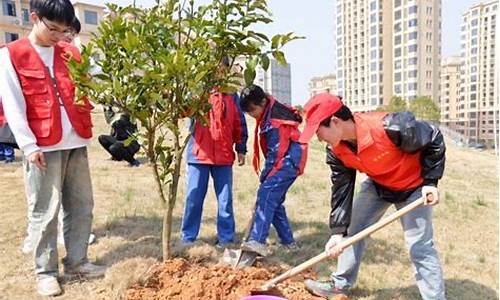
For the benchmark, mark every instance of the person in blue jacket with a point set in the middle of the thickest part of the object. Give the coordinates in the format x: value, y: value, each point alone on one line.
x: 211, y: 151
x: 277, y: 134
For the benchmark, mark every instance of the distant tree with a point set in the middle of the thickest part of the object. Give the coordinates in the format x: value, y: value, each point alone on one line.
x: 299, y: 108
x: 425, y: 109
x: 396, y: 104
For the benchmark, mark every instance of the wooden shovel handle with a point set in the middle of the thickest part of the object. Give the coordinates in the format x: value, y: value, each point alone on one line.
x: 345, y: 243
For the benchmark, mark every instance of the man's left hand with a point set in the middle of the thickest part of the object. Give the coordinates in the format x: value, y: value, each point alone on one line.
x: 430, y: 194
x: 241, y: 159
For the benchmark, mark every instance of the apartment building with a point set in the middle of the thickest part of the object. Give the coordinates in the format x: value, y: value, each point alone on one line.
x: 478, y: 103
x: 15, y: 20
x: 387, y: 48
x: 277, y: 80
x: 450, y: 91
x: 323, y: 84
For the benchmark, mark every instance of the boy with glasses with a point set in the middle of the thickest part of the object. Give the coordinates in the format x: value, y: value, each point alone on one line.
x: 53, y: 131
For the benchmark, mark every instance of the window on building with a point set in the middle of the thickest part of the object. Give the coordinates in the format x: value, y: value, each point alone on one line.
x: 397, y: 64
x: 373, y: 18
x: 412, y: 23
x: 412, y: 74
x: 412, y: 61
x: 412, y: 86
x: 412, y: 35
x: 397, y: 76
x: 10, y: 37
x: 397, y: 3
x: 373, y: 5
x: 373, y: 30
x: 9, y: 8
x: 26, y: 15
x: 473, y: 41
x: 90, y: 17
x: 397, y: 27
x: 397, y: 88
x: 429, y: 10
x: 397, y: 15
x: 373, y: 42
x: 473, y: 22
x: 412, y: 9
x: 397, y: 40
x: 373, y: 66
x: 397, y: 52
x: 373, y: 54
x: 412, y: 48
x: 473, y: 32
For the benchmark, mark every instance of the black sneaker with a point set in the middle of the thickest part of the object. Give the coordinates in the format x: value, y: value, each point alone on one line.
x: 134, y: 163
x: 324, y: 289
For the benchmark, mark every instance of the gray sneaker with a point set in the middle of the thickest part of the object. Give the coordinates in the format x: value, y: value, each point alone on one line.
x: 254, y: 246
x: 290, y: 247
x: 324, y: 289
x: 48, y: 286
x: 86, y: 270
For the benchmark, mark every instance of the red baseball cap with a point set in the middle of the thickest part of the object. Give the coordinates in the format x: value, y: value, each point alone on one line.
x: 317, y: 109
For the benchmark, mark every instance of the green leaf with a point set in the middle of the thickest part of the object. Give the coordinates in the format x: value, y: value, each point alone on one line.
x: 249, y: 75
x: 280, y: 57
x: 275, y: 41
x: 264, y: 61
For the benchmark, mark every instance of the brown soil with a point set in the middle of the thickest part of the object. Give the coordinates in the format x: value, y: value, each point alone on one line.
x: 179, y: 279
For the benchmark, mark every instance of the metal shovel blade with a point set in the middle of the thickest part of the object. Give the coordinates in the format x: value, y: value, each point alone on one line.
x: 239, y: 258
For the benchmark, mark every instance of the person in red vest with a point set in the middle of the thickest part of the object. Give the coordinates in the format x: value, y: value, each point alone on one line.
x: 404, y: 159
x: 53, y: 131
x: 277, y: 134
x: 211, y: 152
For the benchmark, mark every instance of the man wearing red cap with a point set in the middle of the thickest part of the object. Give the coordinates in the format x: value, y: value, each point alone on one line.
x: 404, y: 159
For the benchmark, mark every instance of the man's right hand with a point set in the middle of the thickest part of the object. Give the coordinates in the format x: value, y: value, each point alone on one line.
x: 38, y: 160
x: 330, y: 248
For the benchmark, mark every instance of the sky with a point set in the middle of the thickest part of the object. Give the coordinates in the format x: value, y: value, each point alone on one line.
x: 313, y: 56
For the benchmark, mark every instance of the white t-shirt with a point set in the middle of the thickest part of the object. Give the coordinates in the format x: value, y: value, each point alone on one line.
x: 14, y: 106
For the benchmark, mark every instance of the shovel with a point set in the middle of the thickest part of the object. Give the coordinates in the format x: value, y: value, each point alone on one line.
x: 267, y: 287
x: 240, y: 258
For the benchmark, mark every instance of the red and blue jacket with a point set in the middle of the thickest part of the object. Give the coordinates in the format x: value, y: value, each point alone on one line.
x: 213, y: 143
x: 277, y: 134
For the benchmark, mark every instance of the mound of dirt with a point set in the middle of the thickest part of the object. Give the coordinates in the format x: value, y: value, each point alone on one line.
x: 179, y: 279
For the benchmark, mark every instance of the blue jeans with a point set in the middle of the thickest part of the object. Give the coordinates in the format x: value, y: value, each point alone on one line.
x: 270, y: 210
x: 197, y: 184
x: 6, y: 152
x: 66, y: 182
x: 367, y: 209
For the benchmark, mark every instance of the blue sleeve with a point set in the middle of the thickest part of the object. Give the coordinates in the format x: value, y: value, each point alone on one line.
x: 242, y: 130
x: 272, y: 144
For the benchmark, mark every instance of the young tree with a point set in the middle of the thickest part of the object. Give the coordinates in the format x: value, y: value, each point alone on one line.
x: 425, y: 109
x: 160, y: 65
x: 397, y: 104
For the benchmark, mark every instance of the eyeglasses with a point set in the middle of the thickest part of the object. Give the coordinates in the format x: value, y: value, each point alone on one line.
x: 67, y: 32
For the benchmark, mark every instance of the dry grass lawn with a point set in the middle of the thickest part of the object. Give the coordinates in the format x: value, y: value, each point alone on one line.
x: 128, y: 223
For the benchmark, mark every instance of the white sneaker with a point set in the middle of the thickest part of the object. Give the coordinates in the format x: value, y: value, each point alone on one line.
x: 254, y: 246
x: 48, y: 286
x: 87, y: 270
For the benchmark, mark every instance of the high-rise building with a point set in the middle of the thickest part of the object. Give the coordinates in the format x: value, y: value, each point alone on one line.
x: 450, y: 91
x: 323, y: 84
x: 387, y: 48
x: 277, y: 80
x: 478, y: 104
x: 15, y: 20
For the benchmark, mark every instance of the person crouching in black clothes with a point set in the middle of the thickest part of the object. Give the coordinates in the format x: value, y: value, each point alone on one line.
x: 121, y: 129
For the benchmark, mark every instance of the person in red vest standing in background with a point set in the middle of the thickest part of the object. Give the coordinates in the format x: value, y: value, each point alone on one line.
x: 211, y: 151
x: 53, y: 131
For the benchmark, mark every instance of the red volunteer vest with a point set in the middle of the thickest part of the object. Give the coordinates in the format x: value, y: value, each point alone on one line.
x: 378, y: 157
x: 43, y: 108
x: 214, y: 141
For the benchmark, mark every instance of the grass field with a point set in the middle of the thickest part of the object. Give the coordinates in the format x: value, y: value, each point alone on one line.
x: 127, y: 221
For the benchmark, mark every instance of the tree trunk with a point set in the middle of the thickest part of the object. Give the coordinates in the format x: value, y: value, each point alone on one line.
x: 172, y: 197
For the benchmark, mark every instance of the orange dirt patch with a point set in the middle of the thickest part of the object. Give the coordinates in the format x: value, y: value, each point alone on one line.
x: 179, y: 279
